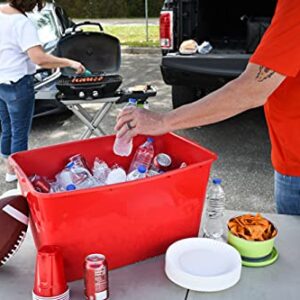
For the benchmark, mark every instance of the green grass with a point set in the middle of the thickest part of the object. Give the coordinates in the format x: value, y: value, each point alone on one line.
x: 134, y: 35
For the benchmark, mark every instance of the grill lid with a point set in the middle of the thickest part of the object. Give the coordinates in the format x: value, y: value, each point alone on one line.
x: 97, y: 51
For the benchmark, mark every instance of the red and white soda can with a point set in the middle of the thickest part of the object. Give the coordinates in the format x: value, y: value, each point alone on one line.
x: 79, y: 160
x: 40, y: 184
x: 96, y: 277
x: 161, y: 162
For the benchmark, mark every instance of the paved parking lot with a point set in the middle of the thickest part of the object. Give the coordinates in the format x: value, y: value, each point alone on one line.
x: 241, y: 143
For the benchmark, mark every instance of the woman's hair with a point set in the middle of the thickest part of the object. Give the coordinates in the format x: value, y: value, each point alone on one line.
x: 27, y: 5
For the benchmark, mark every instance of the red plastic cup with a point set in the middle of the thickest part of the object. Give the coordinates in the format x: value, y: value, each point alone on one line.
x: 50, y: 278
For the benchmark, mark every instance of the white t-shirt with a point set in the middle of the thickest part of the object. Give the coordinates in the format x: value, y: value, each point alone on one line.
x: 17, y: 35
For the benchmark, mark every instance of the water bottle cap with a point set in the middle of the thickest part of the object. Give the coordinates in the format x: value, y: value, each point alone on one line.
x: 132, y: 100
x: 217, y: 181
x: 70, y: 164
x: 142, y: 169
x: 70, y: 187
x: 150, y: 139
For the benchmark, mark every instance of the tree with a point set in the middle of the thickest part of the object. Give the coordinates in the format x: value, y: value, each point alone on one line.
x: 110, y: 9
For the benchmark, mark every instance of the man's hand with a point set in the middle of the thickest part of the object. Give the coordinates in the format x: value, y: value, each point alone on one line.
x: 133, y: 121
x: 250, y: 90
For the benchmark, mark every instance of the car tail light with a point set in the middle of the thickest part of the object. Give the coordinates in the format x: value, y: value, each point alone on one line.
x: 166, y: 30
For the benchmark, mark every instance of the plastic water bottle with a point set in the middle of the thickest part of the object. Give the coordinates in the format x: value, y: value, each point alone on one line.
x: 101, y: 170
x: 56, y: 187
x: 143, y: 155
x: 82, y: 178
x: 122, y: 147
x: 214, y: 217
x: 65, y: 178
x: 139, y: 173
x: 116, y: 175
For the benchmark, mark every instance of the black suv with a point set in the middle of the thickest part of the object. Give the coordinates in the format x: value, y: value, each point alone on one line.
x: 233, y: 28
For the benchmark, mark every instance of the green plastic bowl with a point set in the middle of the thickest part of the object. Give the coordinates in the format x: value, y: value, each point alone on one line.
x: 251, y: 249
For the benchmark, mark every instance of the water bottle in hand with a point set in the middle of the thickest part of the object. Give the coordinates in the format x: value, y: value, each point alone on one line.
x: 139, y: 173
x: 214, y: 216
x: 143, y: 155
x: 121, y: 146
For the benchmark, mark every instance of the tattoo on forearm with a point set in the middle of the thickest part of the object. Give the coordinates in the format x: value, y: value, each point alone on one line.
x: 264, y: 73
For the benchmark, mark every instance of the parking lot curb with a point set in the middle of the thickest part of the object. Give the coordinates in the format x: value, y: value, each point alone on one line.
x: 141, y: 50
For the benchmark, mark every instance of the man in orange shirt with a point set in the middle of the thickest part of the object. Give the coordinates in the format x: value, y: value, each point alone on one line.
x: 272, y: 79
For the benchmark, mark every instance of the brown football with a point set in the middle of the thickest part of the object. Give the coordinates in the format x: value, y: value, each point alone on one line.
x: 14, y: 214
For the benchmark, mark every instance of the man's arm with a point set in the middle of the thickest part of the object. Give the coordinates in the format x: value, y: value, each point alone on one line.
x: 250, y: 90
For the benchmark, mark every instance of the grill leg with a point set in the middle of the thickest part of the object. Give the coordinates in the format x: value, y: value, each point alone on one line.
x: 98, y: 118
x: 86, y: 119
x: 84, y: 113
x: 92, y: 122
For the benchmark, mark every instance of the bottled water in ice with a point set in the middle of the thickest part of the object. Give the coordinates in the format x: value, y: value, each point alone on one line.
x: 143, y: 155
x: 65, y: 178
x: 82, y: 178
x: 139, y: 173
x: 55, y: 187
x: 122, y: 147
x: 116, y: 175
x: 101, y: 170
x: 214, y: 216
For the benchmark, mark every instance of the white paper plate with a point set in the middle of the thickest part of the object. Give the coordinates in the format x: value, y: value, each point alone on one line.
x: 203, y: 265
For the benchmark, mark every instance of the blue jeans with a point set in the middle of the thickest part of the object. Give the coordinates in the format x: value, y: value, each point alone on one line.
x: 16, y: 111
x: 287, y: 194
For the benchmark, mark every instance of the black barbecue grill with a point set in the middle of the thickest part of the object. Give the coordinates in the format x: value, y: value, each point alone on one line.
x: 100, y: 53
x: 87, y: 88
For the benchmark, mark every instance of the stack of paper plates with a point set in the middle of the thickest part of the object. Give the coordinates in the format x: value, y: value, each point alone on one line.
x: 203, y: 265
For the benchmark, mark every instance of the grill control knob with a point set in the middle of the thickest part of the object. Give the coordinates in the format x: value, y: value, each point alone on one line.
x: 81, y: 95
x: 95, y: 94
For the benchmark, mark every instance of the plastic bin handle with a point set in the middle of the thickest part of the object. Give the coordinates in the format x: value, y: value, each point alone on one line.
x: 21, y: 177
x: 25, y: 189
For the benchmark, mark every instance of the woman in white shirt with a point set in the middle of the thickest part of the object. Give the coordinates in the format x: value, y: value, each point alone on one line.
x: 20, y: 52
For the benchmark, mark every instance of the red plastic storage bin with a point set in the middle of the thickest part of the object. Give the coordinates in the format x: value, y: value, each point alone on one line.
x: 126, y: 222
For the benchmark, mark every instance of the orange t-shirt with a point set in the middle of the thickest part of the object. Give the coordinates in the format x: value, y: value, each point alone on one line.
x: 279, y: 51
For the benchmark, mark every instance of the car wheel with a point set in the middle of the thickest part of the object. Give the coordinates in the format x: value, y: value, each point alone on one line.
x: 182, y: 95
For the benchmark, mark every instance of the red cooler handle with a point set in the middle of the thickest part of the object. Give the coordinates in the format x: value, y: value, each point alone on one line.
x: 21, y: 177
